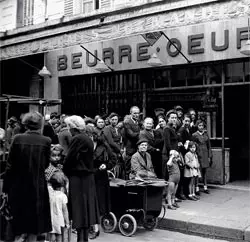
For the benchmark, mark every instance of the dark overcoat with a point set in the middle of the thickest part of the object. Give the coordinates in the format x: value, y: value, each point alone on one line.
x: 113, y: 137
x: 79, y: 168
x: 25, y: 183
x: 131, y: 132
x: 204, y: 148
x: 184, y: 134
x: 103, y: 155
x: 170, y: 139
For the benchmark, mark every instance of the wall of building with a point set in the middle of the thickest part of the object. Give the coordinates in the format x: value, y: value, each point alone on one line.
x: 8, y: 14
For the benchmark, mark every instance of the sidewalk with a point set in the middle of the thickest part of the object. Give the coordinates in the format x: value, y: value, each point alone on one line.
x: 224, y: 213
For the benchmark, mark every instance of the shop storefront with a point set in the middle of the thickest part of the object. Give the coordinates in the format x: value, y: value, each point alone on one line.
x: 216, y: 80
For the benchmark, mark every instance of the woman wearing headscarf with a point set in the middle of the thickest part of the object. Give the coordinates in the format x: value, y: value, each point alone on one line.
x: 79, y: 168
x: 24, y: 181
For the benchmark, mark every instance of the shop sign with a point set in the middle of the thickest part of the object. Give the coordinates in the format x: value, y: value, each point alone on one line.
x: 207, y: 42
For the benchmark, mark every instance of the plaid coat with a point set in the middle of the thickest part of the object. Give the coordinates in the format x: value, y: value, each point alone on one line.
x: 25, y: 183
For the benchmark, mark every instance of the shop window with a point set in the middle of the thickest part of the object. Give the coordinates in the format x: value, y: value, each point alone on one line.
x: 247, y: 71
x: 234, y: 72
x: 195, y: 76
x: 213, y: 74
x: 178, y: 77
x: 161, y: 78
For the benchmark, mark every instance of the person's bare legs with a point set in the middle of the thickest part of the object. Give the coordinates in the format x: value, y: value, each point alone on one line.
x: 171, y: 195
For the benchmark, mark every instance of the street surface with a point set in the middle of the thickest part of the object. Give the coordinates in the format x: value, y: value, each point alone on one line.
x: 149, y: 236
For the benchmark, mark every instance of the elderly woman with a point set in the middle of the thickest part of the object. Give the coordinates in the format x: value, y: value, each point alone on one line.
x: 25, y: 181
x: 141, y: 164
x: 79, y: 168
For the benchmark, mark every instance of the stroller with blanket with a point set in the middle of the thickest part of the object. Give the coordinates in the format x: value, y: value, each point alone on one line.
x: 134, y: 202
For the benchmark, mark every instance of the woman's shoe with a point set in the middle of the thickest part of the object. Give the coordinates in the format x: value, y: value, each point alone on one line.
x: 206, y: 191
x: 94, y: 234
x: 196, y: 197
x: 191, y: 198
x: 178, y: 200
x: 171, y: 207
x: 175, y: 205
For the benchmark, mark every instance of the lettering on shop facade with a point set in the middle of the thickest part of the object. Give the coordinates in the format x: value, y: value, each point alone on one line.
x: 125, y: 53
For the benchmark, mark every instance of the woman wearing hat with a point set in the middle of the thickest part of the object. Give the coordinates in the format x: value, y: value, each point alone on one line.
x: 25, y: 181
x: 141, y: 164
x: 79, y: 168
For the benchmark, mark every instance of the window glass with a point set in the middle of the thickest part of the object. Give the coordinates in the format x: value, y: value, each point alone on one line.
x: 234, y: 72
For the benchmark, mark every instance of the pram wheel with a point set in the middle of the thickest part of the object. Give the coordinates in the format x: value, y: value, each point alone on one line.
x: 150, y: 223
x: 127, y: 225
x: 108, y: 222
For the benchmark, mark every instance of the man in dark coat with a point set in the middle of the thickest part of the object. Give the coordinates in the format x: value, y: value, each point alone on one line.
x: 114, y: 138
x: 131, y: 133
x: 24, y: 181
x: 48, y: 129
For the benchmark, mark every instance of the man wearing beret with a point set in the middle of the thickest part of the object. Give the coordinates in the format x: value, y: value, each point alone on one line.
x: 141, y: 164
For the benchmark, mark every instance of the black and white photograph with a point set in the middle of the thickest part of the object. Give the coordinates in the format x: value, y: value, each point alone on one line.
x: 124, y: 120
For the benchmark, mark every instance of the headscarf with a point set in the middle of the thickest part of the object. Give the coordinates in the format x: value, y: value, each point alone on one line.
x: 75, y: 122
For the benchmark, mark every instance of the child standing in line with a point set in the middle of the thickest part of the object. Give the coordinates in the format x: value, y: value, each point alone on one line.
x: 58, y: 207
x: 55, y: 166
x: 174, y: 178
x: 192, y: 170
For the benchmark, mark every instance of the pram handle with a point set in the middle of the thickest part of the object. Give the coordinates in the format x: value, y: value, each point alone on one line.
x: 110, y: 173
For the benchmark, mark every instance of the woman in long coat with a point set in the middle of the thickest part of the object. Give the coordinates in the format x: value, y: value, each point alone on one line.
x: 104, y: 160
x: 25, y: 181
x: 79, y: 168
x: 204, y: 150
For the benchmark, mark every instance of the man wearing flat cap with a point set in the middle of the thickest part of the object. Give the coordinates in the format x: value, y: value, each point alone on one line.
x: 114, y: 139
x: 141, y: 164
x: 179, y: 110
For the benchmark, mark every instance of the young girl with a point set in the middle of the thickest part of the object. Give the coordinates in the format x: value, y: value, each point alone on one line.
x: 55, y: 161
x: 192, y: 170
x: 58, y: 207
x: 174, y: 178
x: 203, y: 150
x: 56, y: 157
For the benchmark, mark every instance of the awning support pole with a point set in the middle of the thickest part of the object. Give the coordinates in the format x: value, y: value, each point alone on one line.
x: 189, y: 61
x: 96, y: 57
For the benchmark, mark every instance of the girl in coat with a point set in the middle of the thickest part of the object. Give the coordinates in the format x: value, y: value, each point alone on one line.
x: 192, y: 170
x: 204, y: 150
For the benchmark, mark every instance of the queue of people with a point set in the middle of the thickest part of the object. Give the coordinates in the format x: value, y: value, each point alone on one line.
x: 58, y: 171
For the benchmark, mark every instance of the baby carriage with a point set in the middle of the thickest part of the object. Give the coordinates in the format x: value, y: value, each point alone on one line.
x: 133, y: 203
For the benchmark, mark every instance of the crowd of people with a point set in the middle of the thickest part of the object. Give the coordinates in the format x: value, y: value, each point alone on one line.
x: 57, y: 167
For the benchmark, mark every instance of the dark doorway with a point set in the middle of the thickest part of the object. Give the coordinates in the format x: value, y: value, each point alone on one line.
x: 237, y: 120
